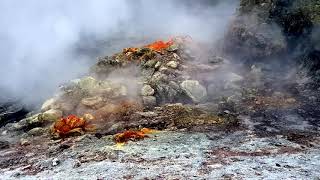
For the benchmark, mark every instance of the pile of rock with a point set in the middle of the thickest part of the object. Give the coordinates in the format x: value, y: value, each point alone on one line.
x: 160, y: 78
x: 165, y: 77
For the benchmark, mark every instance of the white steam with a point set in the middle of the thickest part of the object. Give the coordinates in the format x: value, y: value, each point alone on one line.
x: 39, y: 38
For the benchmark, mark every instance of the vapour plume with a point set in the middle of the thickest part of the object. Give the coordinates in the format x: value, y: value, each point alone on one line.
x: 39, y: 38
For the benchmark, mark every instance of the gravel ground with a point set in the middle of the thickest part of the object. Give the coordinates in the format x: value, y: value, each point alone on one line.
x: 179, y: 155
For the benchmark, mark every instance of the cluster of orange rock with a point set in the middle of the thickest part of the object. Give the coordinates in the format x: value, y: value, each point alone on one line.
x: 133, y: 135
x: 72, y: 124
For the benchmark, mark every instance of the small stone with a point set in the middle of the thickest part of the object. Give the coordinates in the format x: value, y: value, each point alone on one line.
x: 157, y: 77
x: 227, y: 112
x: 147, y: 90
x: 157, y: 65
x: 163, y: 69
x: 173, y: 47
x: 115, y: 128
x: 151, y: 63
x: 215, y: 59
x: 149, y: 101
x: 4, y: 145
x: 147, y: 114
x: 173, y: 64
x: 55, y: 162
x: 76, y: 164
x: 92, y: 101
x: 30, y: 120
x: 51, y: 115
x: 194, y: 90
x: 24, y: 142
x: 176, y: 56
x: 36, y: 131
x: 291, y: 100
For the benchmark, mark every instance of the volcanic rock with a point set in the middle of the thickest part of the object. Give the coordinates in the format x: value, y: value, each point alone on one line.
x: 92, y: 101
x: 51, y: 115
x: 157, y: 65
x: 173, y: 64
x: 47, y: 104
x: 194, y: 90
x: 147, y: 90
x: 151, y: 63
x: 11, y: 111
x: 36, y: 131
x: 149, y: 101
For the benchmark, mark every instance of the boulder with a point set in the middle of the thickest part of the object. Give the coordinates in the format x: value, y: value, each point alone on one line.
x: 173, y: 64
x: 147, y: 90
x: 51, y: 115
x: 149, y: 101
x: 194, y: 90
x: 48, y: 104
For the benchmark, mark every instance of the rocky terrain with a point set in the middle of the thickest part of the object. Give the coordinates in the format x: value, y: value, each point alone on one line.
x: 247, y: 109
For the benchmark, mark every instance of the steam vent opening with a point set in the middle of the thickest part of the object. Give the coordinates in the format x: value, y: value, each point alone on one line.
x: 171, y: 89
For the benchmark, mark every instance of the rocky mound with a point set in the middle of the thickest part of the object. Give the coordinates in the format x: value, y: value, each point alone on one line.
x: 156, y: 86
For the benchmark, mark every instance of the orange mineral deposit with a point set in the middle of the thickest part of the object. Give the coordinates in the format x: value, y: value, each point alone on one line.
x: 133, y: 135
x: 160, y: 45
x: 70, y: 124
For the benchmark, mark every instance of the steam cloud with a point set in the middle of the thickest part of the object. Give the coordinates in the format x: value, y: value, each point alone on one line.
x: 39, y: 38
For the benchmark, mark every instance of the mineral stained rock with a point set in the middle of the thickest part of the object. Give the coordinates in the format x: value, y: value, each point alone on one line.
x: 157, y: 74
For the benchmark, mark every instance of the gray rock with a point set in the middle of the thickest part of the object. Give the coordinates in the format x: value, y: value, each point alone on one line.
x: 92, y: 101
x: 24, y: 142
x: 157, y: 65
x: 87, y: 83
x: 147, y: 114
x: 147, y: 90
x: 147, y: 72
x: 215, y: 59
x: 55, y: 162
x: 194, y: 90
x: 173, y: 64
x: 168, y: 92
x: 115, y: 128
x: 173, y: 47
x: 48, y: 104
x: 36, y: 131
x: 151, y: 63
x: 158, y: 77
x: 149, y: 101
x: 51, y: 115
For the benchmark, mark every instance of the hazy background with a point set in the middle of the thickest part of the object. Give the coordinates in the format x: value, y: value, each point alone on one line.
x: 44, y: 43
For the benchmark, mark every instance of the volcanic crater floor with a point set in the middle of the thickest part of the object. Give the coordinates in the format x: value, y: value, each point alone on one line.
x: 180, y: 154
